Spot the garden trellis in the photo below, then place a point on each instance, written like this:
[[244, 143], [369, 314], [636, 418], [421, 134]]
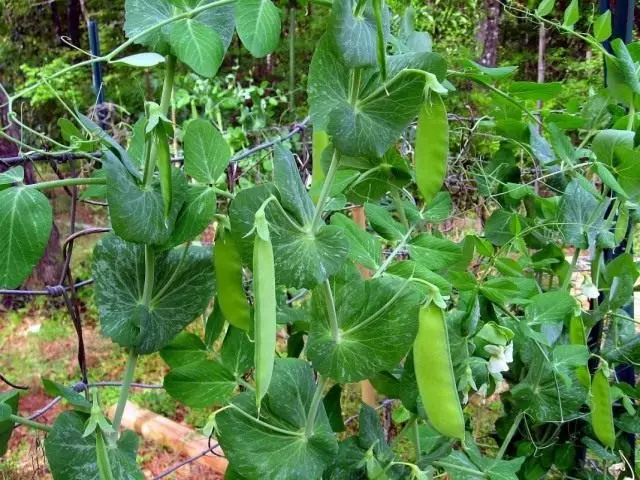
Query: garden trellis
[[429, 321]]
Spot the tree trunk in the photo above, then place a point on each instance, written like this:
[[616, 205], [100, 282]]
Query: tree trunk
[[489, 33], [73, 15]]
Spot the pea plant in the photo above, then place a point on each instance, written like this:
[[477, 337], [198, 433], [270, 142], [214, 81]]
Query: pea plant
[[302, 300]]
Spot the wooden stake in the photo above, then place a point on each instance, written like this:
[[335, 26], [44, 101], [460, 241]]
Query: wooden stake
[[367, 392]]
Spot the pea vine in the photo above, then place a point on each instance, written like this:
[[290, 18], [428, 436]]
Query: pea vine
[[428, 322]]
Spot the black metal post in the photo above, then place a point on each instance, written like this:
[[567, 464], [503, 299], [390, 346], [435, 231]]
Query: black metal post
[[96, 69]]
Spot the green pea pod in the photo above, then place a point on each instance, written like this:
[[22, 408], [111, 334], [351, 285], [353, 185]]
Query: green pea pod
[[432, 147], [601, 409], [231, 297], [264, 316], [380, 45], [577, 337], [163, 160], [434, 374], [102, 457]]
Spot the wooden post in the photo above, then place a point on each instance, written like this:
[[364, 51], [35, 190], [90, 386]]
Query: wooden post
[[367, 392]]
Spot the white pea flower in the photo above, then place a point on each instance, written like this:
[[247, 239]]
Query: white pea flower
[[501, 356], [589, 290]]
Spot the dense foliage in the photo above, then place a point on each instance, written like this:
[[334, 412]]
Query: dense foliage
[[429, 321]]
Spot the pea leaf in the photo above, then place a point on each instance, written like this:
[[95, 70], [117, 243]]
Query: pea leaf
[[196, 214], [137, 212], [545, 7], [9, 399], [77, 400], [363, 248], [471, 466], [141, 15], [434, 253], [237, 351], [200, 384], [606, 142], [293, 194], [197, 45], [255, 450], [355, 36], [366, 312], [258, 25], [184, 349], [571, 14], [383, 223], [72, 456], [581, 215], [183, 286], [602, 27], [13, 175], [371, 126], [551, 307], [206, 152], [25, 224], [302, 259]]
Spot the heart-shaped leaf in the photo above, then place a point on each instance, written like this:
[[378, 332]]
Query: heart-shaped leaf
[[25, 224], [183, 286], [258, 25], [206, 152]]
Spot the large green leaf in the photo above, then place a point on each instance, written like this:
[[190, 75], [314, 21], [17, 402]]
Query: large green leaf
[[383, 223], [73, 456], [606, 142], [137, 212], [355, 35], [377, 323], [183, 286], [370, 127], [581, 215], [258, 25], [25, 223], [9, 399], [302, 258], [434, 253], [554, 307], [141, 15], [293, 194], [255, 450], [197, 45], [206, 152], [473, 466], [186, 348], [201, 384]]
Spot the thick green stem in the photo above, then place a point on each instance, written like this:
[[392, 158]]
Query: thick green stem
[[165, 102], [416, 440], [326, 188], [401, 244], [29, 423], [66, 182], [315, 404], [331, 310], [512, 431], [354, 85], [124, 389]]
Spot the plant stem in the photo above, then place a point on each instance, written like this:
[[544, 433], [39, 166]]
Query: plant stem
[[331, 310], [66, 182], [394, 253], [354, 85], [124, 390], [572, 267], [512, 431], [29, 423], [326, 188], [416, 440], [315, 403], [165, 102]]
